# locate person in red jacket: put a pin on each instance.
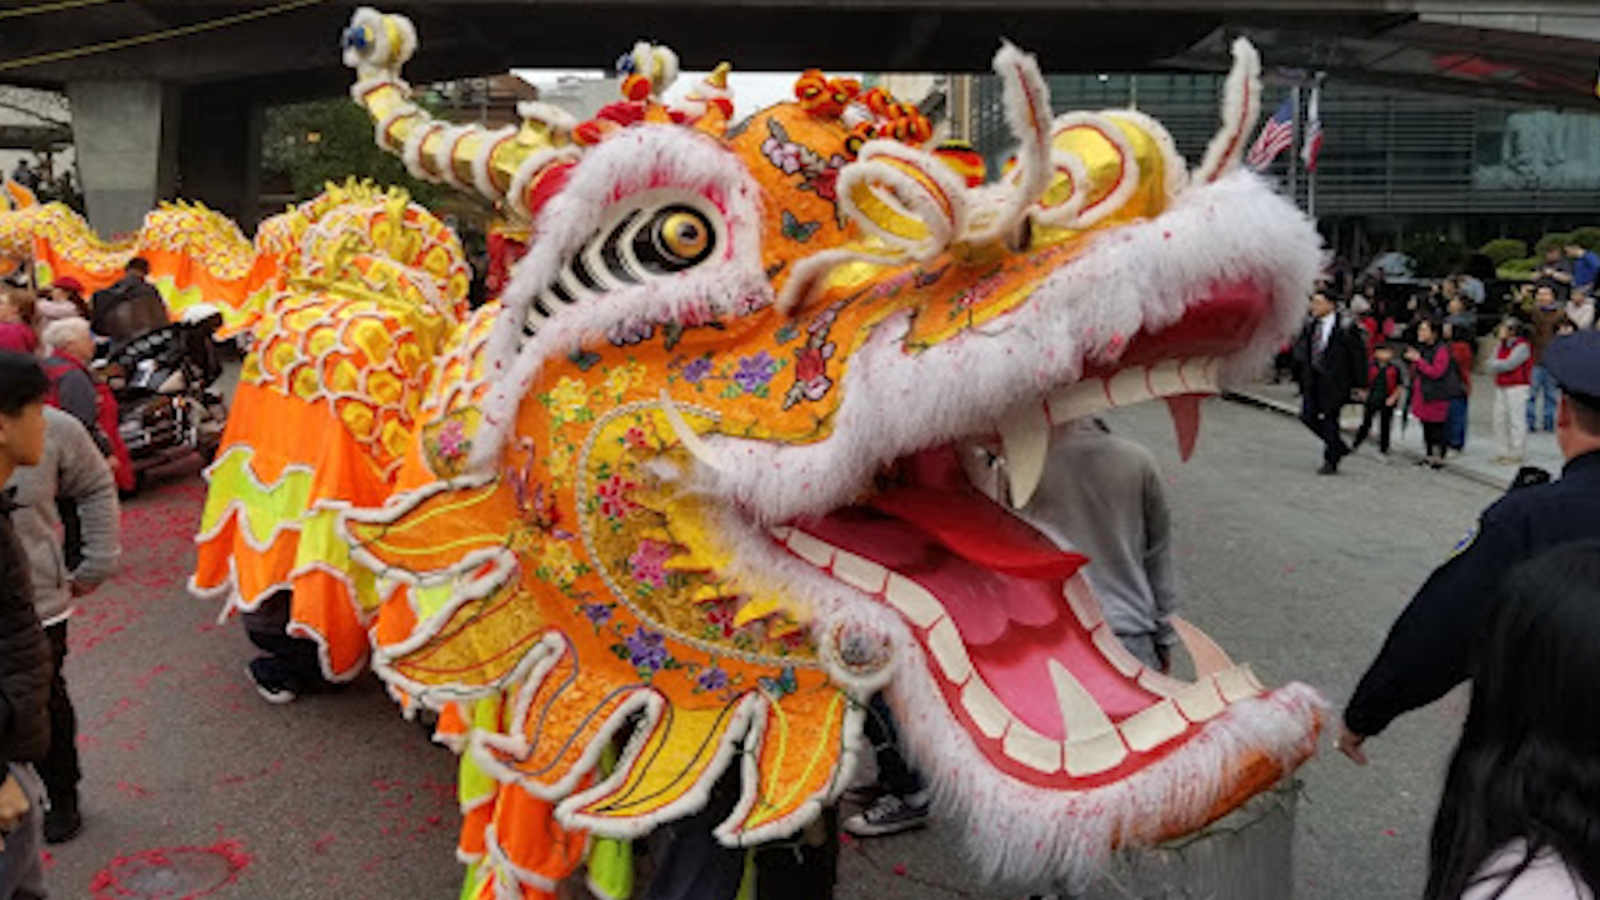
(1512, 368)
(1438, 381)
(1382, 397)
(1461, 342)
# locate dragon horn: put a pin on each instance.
(506, 165)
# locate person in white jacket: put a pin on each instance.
(72, 468)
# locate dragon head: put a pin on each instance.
(700, 479)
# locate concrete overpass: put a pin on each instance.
(183, 114)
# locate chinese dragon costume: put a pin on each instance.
(692, 490)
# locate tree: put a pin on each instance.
(1435, 254)
(1503, 250)
(331, 140)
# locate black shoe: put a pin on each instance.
(1329, 469)
(891, 814)
(271, 690)
(63, 822)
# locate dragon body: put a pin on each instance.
(698, 486)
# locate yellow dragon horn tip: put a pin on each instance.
(719, 76)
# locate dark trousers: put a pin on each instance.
(288, 660)
(1323, 420)
(59, 770)
(1456, 425)
(1434, 438)
(895, 775)
(1384, 416)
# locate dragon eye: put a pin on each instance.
(676, 238)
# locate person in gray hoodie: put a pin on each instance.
(72, 468)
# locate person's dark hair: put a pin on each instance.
(22, 381)
(1585, 412)
(137, 264)
(1528, 764)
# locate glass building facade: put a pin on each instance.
(1392, 162)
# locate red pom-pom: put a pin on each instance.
(636, 87)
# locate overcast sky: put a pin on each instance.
(752, 91)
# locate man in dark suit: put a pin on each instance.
(1331, 362)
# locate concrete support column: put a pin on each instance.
(124, 133)
(219, 152)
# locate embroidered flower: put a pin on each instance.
(559, 462)
(720, 618)
(613, 497)
(623, 377)
(598, 613)
(755, 372)
(452, 440)
(649, 562)
(697, 369)
(786, 155)
(569, 402)
(646, 650)
(560, 562)
(637, 439)
(712, 679)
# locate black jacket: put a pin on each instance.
(1330, 379)
(1430, 648)
(26, 664)
(128, 309)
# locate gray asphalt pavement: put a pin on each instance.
(336, 796)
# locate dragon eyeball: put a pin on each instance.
(676, 238)
(859, 652)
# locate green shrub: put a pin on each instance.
(1519, 269)
(1503, 250)
(1435, 254)
(1554, 240)
(1587, 237)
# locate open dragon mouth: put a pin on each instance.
(1043, 688)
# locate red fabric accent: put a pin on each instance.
(18, 338)
(1522, 374)
(107, 415)
(1462, 354)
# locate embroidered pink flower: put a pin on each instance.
(785, 155)
(637, 439)
(613, 497)
(649, 562)
(720, 618)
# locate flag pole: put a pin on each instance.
(1315, 163)
(1294, 144)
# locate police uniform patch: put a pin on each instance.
(1466, 542)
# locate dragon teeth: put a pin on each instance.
(1025, 435)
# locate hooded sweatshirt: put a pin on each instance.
(72, 468)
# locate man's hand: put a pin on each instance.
(1349, 743)
(13, 806)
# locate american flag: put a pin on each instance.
(1276, 136)
(1311, 148)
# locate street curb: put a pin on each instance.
(1286, 409)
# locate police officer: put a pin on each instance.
(1429, 649)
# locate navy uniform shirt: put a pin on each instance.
(1429, 649)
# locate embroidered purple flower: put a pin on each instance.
(649, 562)
(613, 496)
(452, 440)
(755, 371)
(598, 613)
(647, 650)
(697, 369)
(785, 155)
(712, 679)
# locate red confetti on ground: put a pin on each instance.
(900, 869)
(176, 873)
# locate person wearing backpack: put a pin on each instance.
(131, 307)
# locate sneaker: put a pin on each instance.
(890, 814)
(863, 794)
(62, 822)
(274, 692)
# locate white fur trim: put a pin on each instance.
(631, 162)
(480, 163)
(558, 120)
(878, 167)
(444, 156)
(1145, 274)
(1084, 214)
(1175, 170)
(531, 167)
(411, 150)
(1027, 106)
(1241, 107)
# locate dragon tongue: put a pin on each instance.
(940, 501)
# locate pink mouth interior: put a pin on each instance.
(998, 579)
